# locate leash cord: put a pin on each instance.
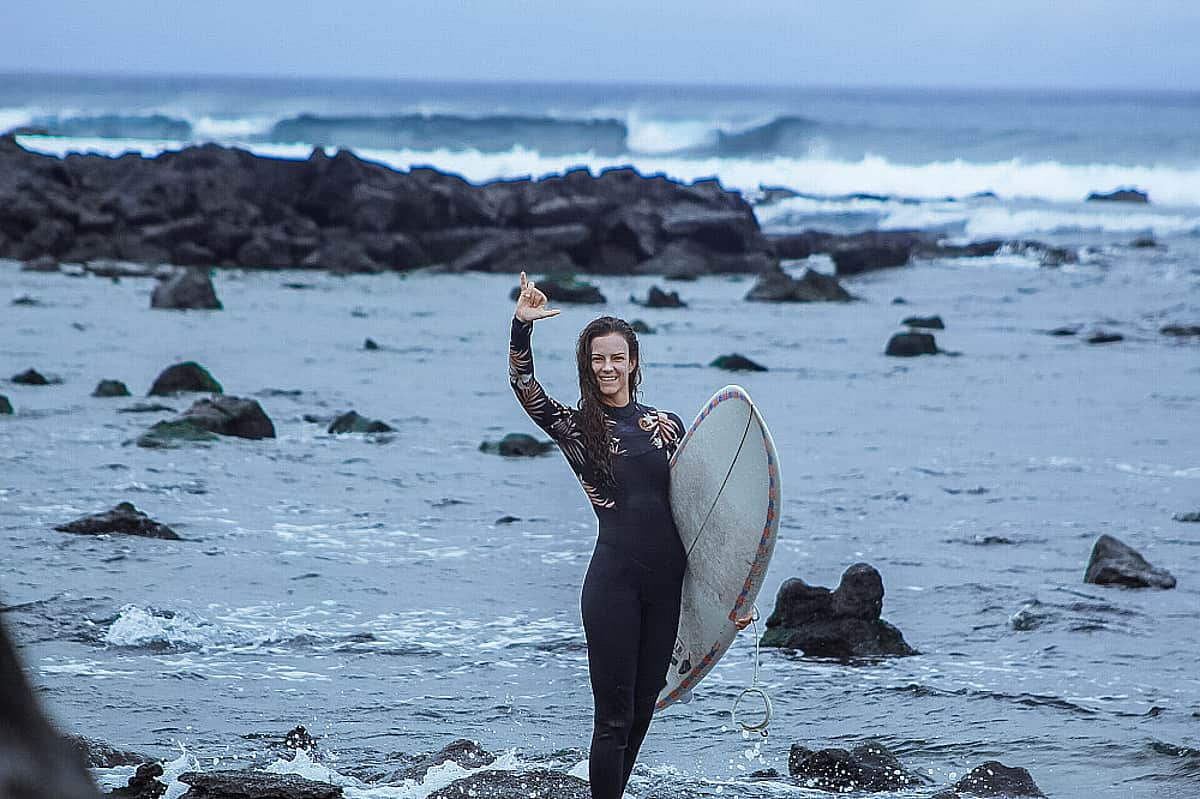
(761, 726)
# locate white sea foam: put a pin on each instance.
(658, 136)
(138, 627)
(225, 128)
(15, 118)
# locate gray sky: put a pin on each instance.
(1000, 43)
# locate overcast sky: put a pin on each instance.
(1001, 43)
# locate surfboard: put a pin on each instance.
(725, 499)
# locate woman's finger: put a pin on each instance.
(523, 281)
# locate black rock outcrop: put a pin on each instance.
(124, 519)
(186, 376)
(111, 388)
(351, 422)
(867, 767)
(186, 289)
(812, 286)
(1115, 563)
(517, 445)
(843, 623)
(911, 344)
(255, 785)
(993, 778)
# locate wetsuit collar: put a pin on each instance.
(623, 412)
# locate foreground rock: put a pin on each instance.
(111, 388)
(124, 519)
(1115, 563)
(213, 206)
(186, 289)
(517, 445)
(99, 754)
(186, 376)
(254, 785)
(910, 345)
(842, 623)
(144, 784)
(993, 778)
(468, 754)
(6, 407)
(35, 761)
(812, 286)
(516, 785)
(868, 767)
(351, 422)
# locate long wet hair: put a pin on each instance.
(593, 422)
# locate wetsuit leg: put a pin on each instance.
(612, 623)
(660, 622)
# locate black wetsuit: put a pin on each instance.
(631, 592)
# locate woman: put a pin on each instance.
(620, 450)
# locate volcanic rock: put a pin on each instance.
(35, 761)
(124, 519)
(186, 289)
(1179, 517)
(908, 345)
(657, 298)
(842, 623)
(186, 376)
(812, 286)
(516, 445)
(641, 328)
(1120, 196)
(111, 388)
(993, 779)
(1181, 330)
(351, 422)
(1115, 563)
(566, 289)
(868, 767)
(255, 785)
(1104, 337)
(468, 754)
(32, 377)
(142, 785)
(926, 322)
(496, 784)
(6, 407)
(99, 754)
(229, 416)
(736, 363)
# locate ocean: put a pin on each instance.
(364, 586)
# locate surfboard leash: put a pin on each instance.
(753, 690)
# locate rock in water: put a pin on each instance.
(909, 345)
(1120, 196)
(657, 298)
(230, 416)
(98, 754)
(517, 445)
(186, 289)
(32, 377)
(463, 752)
(1179, 517)
(111, 388)
(736, 363)
(35, 762)
(1115, 563)
(6, 407)
(124, 519)
(993, 778)
(1180, 330)
(497, 784)
(566, 289)
(255, 785)
(351, 422)
(812, 286)
(843, 623)
(926, 322)
(868, 767)
(186, 376)
(143, 784)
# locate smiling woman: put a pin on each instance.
(620, 450)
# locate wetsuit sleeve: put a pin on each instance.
(677, 432)
(558, 420)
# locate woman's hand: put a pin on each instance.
(743, 623)
(531, 303)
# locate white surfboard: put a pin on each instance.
(725, 499)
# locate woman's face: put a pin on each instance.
(611, 365)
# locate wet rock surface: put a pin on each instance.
(229, 416)
(910, 345)
(111, 388)
(1114, 562)
(188, 376)
(517, 445)
(32, 377)
(6, 407)
(843, 623)
(993, 778)
(351, 422)
(812, 286)
(868, 767)
(516, 785)
(144, 784)
(124, 519)
(186, 289)
(736, 363)
(254, 785)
